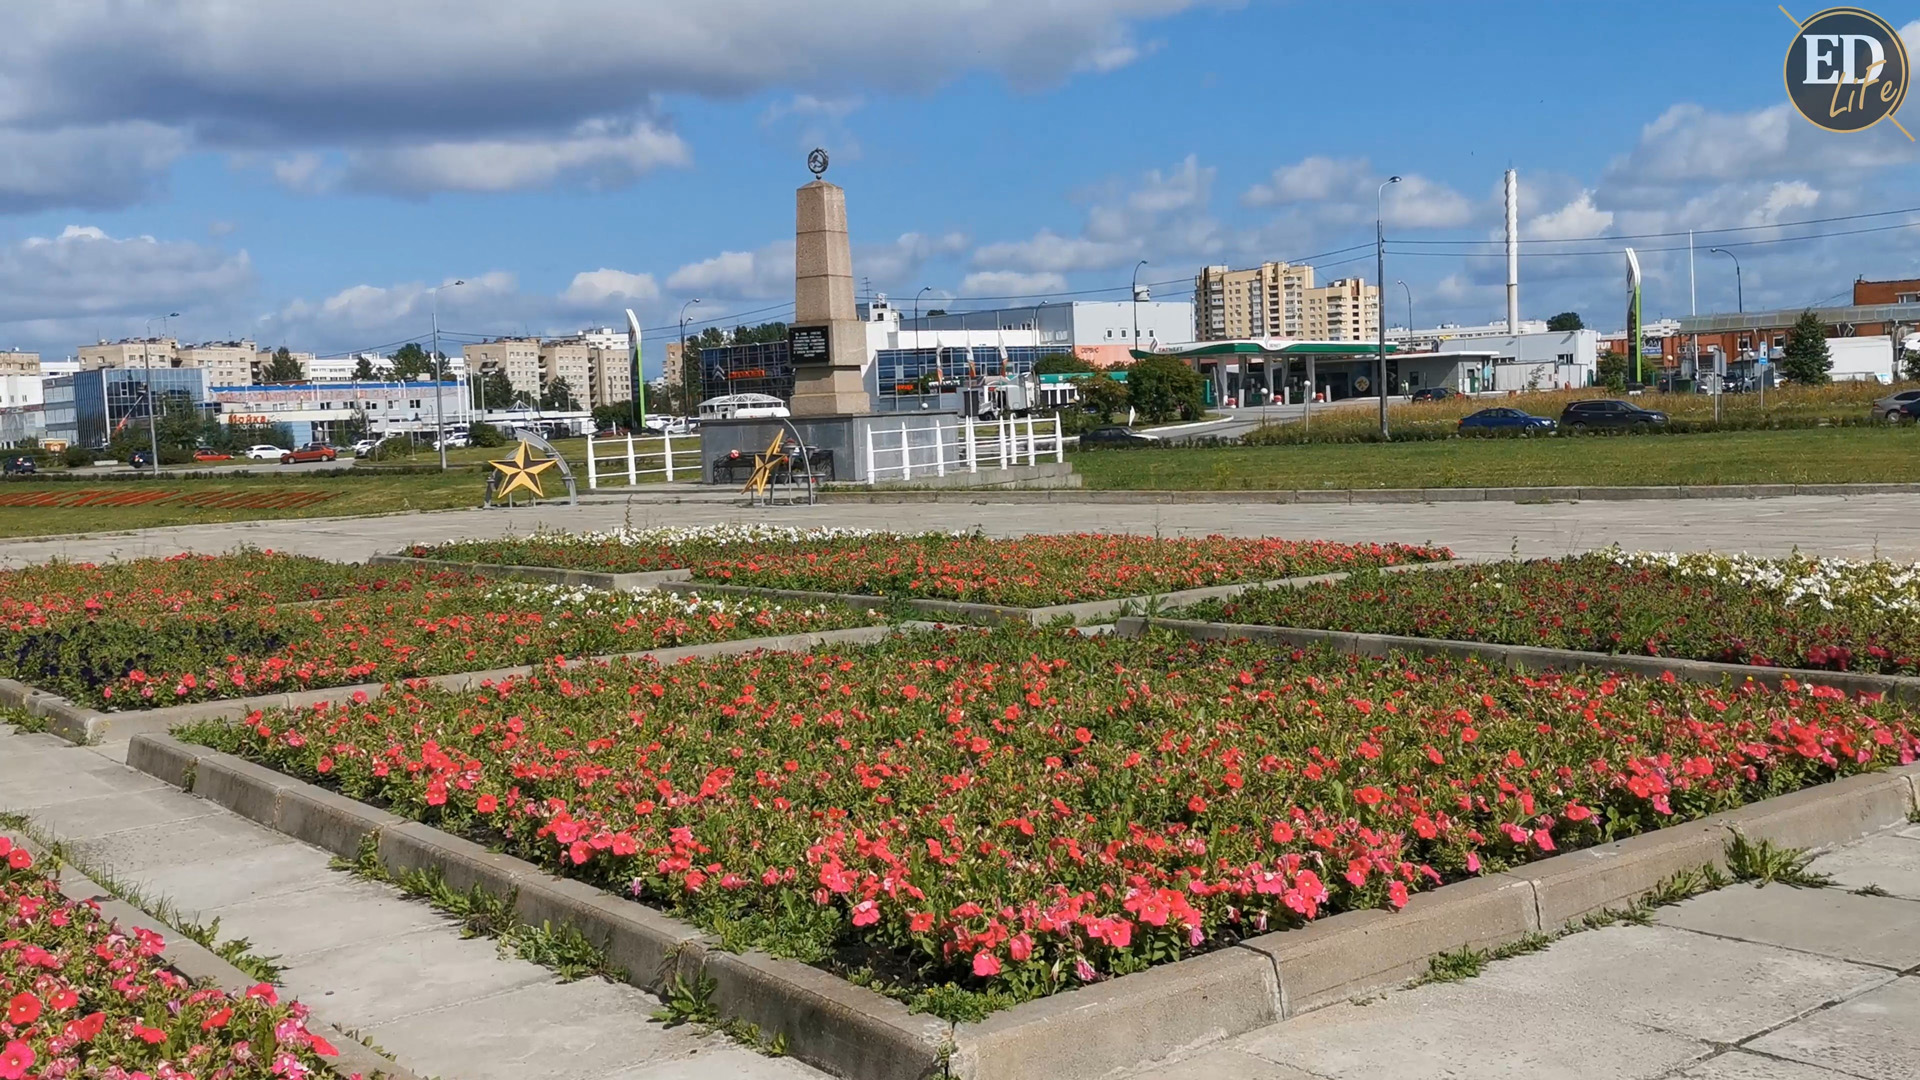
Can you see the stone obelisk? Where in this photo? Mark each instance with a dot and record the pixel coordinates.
(828, 340)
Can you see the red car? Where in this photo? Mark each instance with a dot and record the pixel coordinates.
(310, 452)
(204, 454)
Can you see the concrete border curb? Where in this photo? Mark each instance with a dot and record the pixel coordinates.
(1092, 1031)
(1363, 496)
(1000, 614)
(1531, 657)
(79, 724)
(643, 581)
(200, 964)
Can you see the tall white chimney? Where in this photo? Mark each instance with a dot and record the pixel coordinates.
(1513, 252)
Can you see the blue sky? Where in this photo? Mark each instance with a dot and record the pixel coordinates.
(301, 172)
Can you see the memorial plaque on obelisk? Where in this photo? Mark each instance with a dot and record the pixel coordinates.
(827, 342)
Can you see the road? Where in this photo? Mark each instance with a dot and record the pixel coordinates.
(1235, 422)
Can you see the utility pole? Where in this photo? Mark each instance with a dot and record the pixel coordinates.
(146, 355)
(439, 378)
(1380, 281)
(693, 407)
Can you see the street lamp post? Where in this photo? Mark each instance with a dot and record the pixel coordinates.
(146, 354)
(439, 377)
(1380, 281)
(1739, 290)
(693, 407)
(1409, 289)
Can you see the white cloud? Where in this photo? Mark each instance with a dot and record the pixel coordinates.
(114, 283)
(593, 288)
(87, 167)
(1576, 220)
(1009, 283)
(1347, 190)
(1313, 179)
(1048, 250)
(892, 265)
(760, 274)
(598, 153)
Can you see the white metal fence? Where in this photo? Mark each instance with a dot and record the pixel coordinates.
(623, 461)
(967, 446)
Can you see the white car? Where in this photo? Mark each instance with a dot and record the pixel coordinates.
(364, 447)
(454, 442)
(263, 452)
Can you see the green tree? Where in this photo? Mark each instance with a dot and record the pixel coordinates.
(1806, 359)
(412, 362)
(283, 368)
(492, 390)
(363, 370)
(1164, 388)
(1566, 320)
(1103, 396)
(1611, 371)
(1060, 364)
(758, 335)
(481, 433)
(558, 395)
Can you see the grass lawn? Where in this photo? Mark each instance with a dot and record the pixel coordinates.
(1808, 456)
(193, 502)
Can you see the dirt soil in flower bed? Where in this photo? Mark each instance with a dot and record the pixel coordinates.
(971, 819)
(83, 997)
(1033, 571)
(163, 632)
(1796, 612)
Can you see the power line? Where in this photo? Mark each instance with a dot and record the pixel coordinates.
(1680, 232)
(1615, 252)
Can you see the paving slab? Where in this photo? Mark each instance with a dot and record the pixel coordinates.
(309, 920)
(721, 1060)
(66, 778)
(1876, 1035)
(102, 815)
(205, 862)
(1878, 930)
(1226, 1064)
(1670, 980)
(577, 1031)
(1890, 861)
(378, 982)
(1740, 1065)
(1462, 1031)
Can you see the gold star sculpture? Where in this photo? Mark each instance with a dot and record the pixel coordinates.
(518, 472)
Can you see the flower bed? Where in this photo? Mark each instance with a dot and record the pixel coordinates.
(1033, 571)
(126, 495)
(86, 998)
(972, 819)
(196, 630)
(1794, 612)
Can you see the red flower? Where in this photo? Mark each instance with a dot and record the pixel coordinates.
(15, 1060)
(486, 804)
(264, 992)
(1197, 804)
(24, 1009)
(217, 1019)
(148, 1034)
(986, 965)
(20, 859)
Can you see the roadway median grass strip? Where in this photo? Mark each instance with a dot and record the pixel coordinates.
(1811, 456)
(971, 820)
(1799, 611)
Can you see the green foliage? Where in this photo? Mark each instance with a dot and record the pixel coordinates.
(491, 390)
(1064, 363)
(1164, 388)
(412, 362)
(1566, 320)
(363, 370)
(1806, 359)
(1466, 962)
(283, 368)
(1612, 370)
(688, 1001)
(558, 395)
(1764, 864)
(74, 457)
(481, 433)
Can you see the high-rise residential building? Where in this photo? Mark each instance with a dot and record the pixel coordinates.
(611, 380)
(1268, 300)
(1343, 310)
(516, 358)
(569, 360)
(130, 352)
(15, 362)
(227, 363)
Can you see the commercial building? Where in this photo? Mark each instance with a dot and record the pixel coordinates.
(22, 403)
(516, 358)
(1898, 291)
(1746, 342)
(1280, 300)
(91, 406)
(1101, 332)
(330, 412)
(15, 362)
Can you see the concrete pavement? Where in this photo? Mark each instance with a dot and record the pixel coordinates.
(1859, 526)
(1742, 984)
(390, 971)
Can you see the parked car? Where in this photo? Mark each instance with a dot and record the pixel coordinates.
(454, 442)
(265, 452)
(1609, 414)
(1434, 393)
(310, 452)
(1909, 412)
(207, 453)
(1504, 419)
(140, 459)
(1117, 436)
(364, 447)
(21, 466)
(1889, 408)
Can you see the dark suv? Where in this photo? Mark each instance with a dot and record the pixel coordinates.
(1607, 414)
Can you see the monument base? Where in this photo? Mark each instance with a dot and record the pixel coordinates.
(830, 391)
(844, 437)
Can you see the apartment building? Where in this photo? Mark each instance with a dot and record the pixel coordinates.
(130, 352)
(15, 362)
(1263, 301)
(611, 380)
(569, 360)
(227, 363)
(1343, 310)
(516, 358)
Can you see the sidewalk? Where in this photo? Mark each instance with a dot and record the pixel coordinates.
(392, 972)
(1741, 984)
